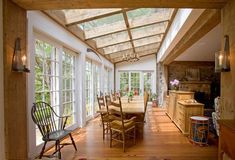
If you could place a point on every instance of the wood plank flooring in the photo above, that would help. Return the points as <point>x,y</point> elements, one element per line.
<point>161,140</point>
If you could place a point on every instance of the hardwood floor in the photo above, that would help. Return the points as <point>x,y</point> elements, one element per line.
<point>161,140</point>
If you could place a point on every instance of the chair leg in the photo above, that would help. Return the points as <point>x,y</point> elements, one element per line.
<point>42,151</point>
<point>56,146</point>
<point>103,130</point>
<point>111,137</point>
<point>134,136</point>
<point>73,141</point>
<point>59,152</point>
<point>124,141</point>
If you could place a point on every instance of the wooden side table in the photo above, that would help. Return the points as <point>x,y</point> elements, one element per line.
<point>226,138</point>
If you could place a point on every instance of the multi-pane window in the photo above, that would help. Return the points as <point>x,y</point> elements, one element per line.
<point>96,76</point>
<point>148,81</point>
<point>109,80</point>
<point>68,89</point>
<point>135,83</point>
<point>89,87</point>
<point>106,80</point>
<point>46,77</point>
<point>54,80</point>
<point>124,83</point>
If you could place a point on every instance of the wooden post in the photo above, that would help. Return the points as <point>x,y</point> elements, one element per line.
<point>14,25</point>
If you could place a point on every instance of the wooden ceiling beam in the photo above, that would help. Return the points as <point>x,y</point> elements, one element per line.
<point>134,39</point>
<point>135,47</point>
<point>89,46</point>
<point>145,25</point>
<point>207,21</point>
<point>113,57</point>
<point>168,27</point>
<point>88,4</point>
<point>128,29</point>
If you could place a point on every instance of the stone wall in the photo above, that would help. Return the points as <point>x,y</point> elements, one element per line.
<point>177,70</point>
<point>199,77</point>
<point>228,78</point>
<point>161,84</point>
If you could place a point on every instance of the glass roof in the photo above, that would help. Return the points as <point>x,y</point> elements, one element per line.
<point>117,48</point>
<point>112,39</point>
<point>103,26</point>
<point>148,40</point>
<point>143,29</point>
<point>144,16</point>
<point>149,30</point>
<point>147,47</point>
<point>76,15</point>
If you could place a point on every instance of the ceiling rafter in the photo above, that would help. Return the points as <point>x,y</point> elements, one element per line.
<point>95,49</point>
<point>168,27</point>
<point>96,17</point>
<point>145,25</point>
<point>134,39</point>
<point>150,44</point>
<point>135,47</point>
<point>128,29</point>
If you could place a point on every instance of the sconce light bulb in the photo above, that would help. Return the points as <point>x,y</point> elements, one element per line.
<point>24,60</point>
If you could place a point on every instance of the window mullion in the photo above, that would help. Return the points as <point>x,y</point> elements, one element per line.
<point>59,52</point>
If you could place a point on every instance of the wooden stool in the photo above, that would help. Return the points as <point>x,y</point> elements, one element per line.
<point>199,130</point>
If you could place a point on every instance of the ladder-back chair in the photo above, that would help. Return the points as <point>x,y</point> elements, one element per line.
<point>104,116</point>
<point>120,128</point>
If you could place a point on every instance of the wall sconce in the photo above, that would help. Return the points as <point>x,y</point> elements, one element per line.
<point>222,58</point>
<point>19,61</point>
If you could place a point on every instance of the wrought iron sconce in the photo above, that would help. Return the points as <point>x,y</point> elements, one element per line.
<point>19,60</point>
<point>222,58</point>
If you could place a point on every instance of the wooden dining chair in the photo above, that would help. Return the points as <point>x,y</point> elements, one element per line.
<point>104,116</point>
<point>146,97</point>
<point>108,99</point>
<point>46,119</point>
<point>120,128</point>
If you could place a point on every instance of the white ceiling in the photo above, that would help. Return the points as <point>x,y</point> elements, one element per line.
<point>205,48</point>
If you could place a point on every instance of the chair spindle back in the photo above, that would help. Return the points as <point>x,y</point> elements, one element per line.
<point>43,116</point>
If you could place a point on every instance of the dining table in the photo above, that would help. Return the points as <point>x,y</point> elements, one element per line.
<point>132,106</point>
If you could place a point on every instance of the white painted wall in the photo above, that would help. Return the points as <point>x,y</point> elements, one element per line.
<point>184,19</point>
<point>40,24</point>
<point>204,49</point>
<point>2,142</point>
<point>147,63</point>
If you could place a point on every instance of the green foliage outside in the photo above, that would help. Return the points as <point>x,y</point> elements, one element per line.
<point>47,80</point>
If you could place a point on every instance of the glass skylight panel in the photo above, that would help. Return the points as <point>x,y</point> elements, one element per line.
<point>76,15</point>
<point>149,30</point>
<point>121,53</point>
<point>103,26</point>
<point>117,48</point>
<point>148,40</point>
<point>112,39</point>
<point>148,47</point>
<point>144,16</point>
